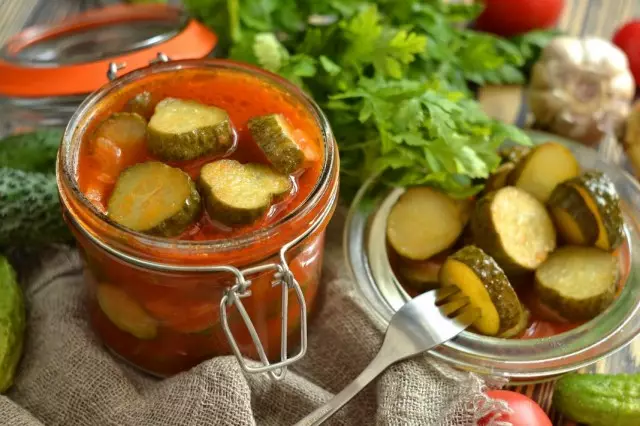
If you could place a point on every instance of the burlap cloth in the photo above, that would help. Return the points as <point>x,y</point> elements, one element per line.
<point>67,378</point>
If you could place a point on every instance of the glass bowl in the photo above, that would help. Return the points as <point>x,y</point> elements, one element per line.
<point>520,361</point>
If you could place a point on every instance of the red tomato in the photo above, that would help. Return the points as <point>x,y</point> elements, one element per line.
<point>627,38</point>
<point>525,411</point>
<point>511,17</point>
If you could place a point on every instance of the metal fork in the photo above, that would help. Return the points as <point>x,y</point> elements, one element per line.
<point>421,324</point>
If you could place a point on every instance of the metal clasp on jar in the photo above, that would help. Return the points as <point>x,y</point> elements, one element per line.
<point>112,71</point>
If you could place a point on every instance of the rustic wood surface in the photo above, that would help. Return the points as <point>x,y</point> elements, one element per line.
<point>581,17</point>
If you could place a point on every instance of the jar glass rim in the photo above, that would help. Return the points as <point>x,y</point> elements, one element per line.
<point>75,130</point>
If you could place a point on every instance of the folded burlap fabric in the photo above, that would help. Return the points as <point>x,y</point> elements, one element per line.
<point>66,377</point>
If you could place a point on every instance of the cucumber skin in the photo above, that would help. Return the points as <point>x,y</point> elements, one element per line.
<point>607,201</point>
<point>599,399</point>
<point>179,222</point>
<point>223,213</point>
<point>31,152</point>
<point>498,179</point>
<point>502,295</point>
<point>210,140</point>
<point>12,324</point>
<point>565,197</point>
<point>282,152</point>
<point>30,212</point>
<point>514,154</point>
<point>141,104</point>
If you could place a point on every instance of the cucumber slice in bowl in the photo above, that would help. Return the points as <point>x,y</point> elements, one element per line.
<point>182,130</point>
<point>239,194</point>
<point>126,130</point>
<point>543,169</point>
<point>592,202</point>
<point>155,199</point>
<point>424,222</point>
<point>275,137</point>
<point>580,282</point>
<point>480,278</point>
<point>514,228</point>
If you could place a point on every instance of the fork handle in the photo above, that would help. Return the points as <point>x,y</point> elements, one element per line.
<point>373,370</point>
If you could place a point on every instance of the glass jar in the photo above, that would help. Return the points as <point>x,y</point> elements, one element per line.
<point>47,71</point>
<point>166,305</point>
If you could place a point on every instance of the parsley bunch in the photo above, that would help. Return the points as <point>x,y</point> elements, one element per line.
<point>393,76</point>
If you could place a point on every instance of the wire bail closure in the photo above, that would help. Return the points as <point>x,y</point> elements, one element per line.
<point>112,70</point>
<point>241,289</point>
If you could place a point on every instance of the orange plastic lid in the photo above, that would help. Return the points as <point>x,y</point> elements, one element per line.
<point>72,58</point>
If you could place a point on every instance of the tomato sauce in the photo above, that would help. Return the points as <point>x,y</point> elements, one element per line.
<point>243,97</point>
<point>166,322</point>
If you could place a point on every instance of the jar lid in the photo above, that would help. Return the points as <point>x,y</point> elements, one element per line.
<point>522,361</point>
<point>72,57</point>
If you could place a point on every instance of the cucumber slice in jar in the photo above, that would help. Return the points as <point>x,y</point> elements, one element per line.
<point>239,194</point>
<point>543,169</point>
<point>125,313</point>
<point>126,130</point>
<point>421,275</point>
<point>580,282</point>
<point>274,136</point>
<point>520,326</point>
<point>480,278</point>
<point>514,228</point>
<point>424,222</point>
<point>498,179</point>
<point>587,211</point>
<point>514,154</point>
<point>141,104</point>
<point>574,221</point>
<point>155,199</point>
<point>182,130</point>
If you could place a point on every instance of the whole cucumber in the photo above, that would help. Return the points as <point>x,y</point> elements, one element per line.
<point>12,324</point>
<point>599,399</point>
<point>31,152</point>
<point>30,210</point>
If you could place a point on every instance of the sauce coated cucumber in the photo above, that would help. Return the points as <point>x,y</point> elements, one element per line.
<point>155,199</point>
<point>182,130</point>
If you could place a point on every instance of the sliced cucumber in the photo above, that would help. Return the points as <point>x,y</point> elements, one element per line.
<point>575,222</point>
<point>125,313</point>
<point>480,278</point>
<point>125,130</point>
<point>498,179</point>
<point>141,104</point>
<point>274,136</point>
<point>514,228</point>
<point>421,275</point>
<point>579,282</point>
<point>155,199</point>
<point>184,130</point>
<point>236,193</point>
<point>543,169</point>
<point>424,222</point>
<point>598,197</point>
<point>519,327</point>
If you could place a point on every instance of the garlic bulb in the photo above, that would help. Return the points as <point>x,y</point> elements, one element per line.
<point>581,88</point>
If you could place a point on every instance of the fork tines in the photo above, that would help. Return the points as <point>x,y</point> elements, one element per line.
<point>455,305</point>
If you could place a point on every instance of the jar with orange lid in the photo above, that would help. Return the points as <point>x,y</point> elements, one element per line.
<point>48,70</point>
<point>166,301</point>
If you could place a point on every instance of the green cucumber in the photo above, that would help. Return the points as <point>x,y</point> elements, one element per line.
<point>600,199</point>
<point>30,210</point>
<point>575,222</point>
<point>239,194</point>
<point>274,136</point>
<point>514,228</point>
<point>141,104</point>
<point>480,278</point>
<point>12,324</point>
<point>31,152</point>
<point>599,399</point>
<point>185,130</point>
<point>155,199</point>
